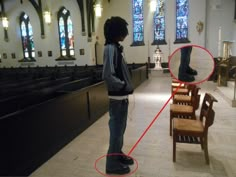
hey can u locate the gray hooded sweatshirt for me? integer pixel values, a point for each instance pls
(115, 71)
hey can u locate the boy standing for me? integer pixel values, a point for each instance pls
(117, 78)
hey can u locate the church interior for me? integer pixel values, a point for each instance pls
(54, 103)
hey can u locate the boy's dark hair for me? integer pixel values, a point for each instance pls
(113, 28)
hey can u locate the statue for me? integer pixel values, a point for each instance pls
(157, 57)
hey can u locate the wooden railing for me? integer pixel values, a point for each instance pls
(234, 88)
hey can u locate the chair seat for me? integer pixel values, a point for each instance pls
(183, 91)
(175, 81)
(188, 125)
(177, 85)
(182, 98)
(185, 109)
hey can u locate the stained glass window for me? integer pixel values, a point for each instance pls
(138, 38)
(27, 37)
(159, 23)
(182, 12)
(66, 35)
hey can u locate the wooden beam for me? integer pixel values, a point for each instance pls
(90, 18)
(38, 8)
(2, 7)
(235, 11)
(88, 4)
(81, 7)
(93, 16)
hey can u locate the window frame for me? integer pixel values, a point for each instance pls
(181, 40)
(26, 21)
(137, 43)
(156, 41)
(65, 17)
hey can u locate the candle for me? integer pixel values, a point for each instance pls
(219, 42)
(169, 46)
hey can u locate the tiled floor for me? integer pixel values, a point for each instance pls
(154, 151)
(228, 92)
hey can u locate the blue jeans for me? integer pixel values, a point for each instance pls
(185, 60)
(118, 111)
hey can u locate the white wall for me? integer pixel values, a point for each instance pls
(200, 10)
(140, 54)
(234, 38)
(51, 40)
(222, 16)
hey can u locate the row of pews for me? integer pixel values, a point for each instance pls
(43, 109)
(21, 88)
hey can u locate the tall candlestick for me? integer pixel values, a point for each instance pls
(169, 46)
(148, 57)
(219, 42)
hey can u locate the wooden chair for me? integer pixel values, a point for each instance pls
(176, 84)
(184, 111)
(188, 99)
(195, 131)
(183, 89)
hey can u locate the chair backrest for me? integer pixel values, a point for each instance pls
(207, 111)
(191, 88)
(195, 97)
(210, 118)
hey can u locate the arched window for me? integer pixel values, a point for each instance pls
(27, 38)
(138, 38)
(66, 36)
(159, 24)
(182, 11)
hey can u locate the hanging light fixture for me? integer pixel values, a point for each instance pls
(153, 5)
(47, 17)
(98, 10)
(5, 22)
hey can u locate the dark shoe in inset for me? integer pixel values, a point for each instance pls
(186, 78)
(120, 170)
(126, 160)
(192, 72)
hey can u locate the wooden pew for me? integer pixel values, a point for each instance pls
(33, 134)
(34, 86)
(22, 101)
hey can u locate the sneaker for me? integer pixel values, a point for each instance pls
(126, 160)
(186, 78)
(120, 170)
(192, 72)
